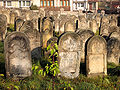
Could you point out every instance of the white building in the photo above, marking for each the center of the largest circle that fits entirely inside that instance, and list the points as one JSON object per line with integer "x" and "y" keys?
{"x": 80, "y": 5}
{"x": 50, "y": 4}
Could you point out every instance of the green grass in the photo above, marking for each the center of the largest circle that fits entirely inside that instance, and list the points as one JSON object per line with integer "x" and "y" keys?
{"x": 40, "y": 82}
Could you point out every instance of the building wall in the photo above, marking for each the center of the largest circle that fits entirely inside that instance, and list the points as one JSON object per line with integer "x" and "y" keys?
{"x": 80, "y": 4}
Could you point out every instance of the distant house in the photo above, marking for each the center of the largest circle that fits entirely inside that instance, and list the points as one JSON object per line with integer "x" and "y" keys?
{"x": 15, "y": 3}
{"x": 47, "y": 4}
{"x": 56, "y": 4}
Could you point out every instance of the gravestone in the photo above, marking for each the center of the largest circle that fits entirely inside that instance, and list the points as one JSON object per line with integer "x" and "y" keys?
{"x": 94, "y": 27}
{"x": 70, "y": 26}
{"x": 115, "y": 35}
{"x": 27, "y": 25}
{"x": 83, "y": 24}
{"x": 104, "y": 26}
{"x": 84, "y": 36}
{"x": 47, "y": 31}
{"x": 18, "y": 24}
{"x": 69, "y": 55}
{"x": 96, "y": 56}
{"x": 17, "y": 55}
{"x": 35, "y": 43}
{"x": 113, "y": 50}
{"x": 13, "y": 15}
{"x": 3, "y": 26}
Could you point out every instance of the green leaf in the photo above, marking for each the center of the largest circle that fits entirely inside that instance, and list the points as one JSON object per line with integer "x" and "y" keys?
{"x": 2, "y": 75}
{"x": 44, "y": 73}
{"x": 52, "y": 51}
{"x": 48, "y": 48}
{"x": 17, "y": 87}
{"x": 36, "y": 67}
{"x": 56, "y": 46}
{"x": 56, "y": 54}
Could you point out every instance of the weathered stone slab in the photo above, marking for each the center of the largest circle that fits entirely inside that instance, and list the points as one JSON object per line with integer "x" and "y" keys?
{"x": 35, "y": 43}
{"x": 17, "y": 55}
{"x": 69, "y": 55}
{"x": 96, "y": 56}
{"x": 84, "y": 36}
{"x": 18, "y": 24}
{"x": 3, "y": 26}
{"x": 70, "y": 26}
{"x": 27, "y": 25}
{"x": 47, "y": 31}
{"x": 113, "y": 50}
{"x": 13, "y": 15}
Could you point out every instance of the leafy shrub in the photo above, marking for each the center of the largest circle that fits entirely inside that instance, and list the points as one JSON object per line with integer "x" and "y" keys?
{"x": 33, "y": 7}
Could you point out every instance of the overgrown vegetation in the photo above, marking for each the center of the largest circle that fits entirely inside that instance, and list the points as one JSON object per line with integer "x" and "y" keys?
{"x": 10, "y": 28}
{"x": 43, "y": 80}
{"x": 33, "y": 7}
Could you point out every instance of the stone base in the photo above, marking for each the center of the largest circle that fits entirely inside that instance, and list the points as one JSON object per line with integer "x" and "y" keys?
{"x": 96, "y": 75}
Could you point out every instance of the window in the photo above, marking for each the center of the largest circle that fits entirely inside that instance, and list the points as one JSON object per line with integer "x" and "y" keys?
{"x": 9, "y": 3}
{"x": 41, "y": 3}
{"x": 79, "y": 4}
{"x": 64, "y": 3}
{"x": 67, "y": 2}
{"x": 93, "y": 5}
{"x": 20, "y": 4}
{"x": 44, "y": 2}
{"x": 48, "y": 3}
{"x": 52, "y": 3}
{"x": 27, "y": 3}
{"x": 61, "y": 3}
{"x": 82, "y": 4}
{"x": 23, "y": 3}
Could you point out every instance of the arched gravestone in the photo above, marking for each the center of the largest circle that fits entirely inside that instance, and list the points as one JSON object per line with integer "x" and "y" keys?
{"x": 69, "y": 55}
{"x": 47, "y": 31}
{"x": 35, "y": 43}
{"x": 115, "y": 35}
{"x": 113, "y": 50}
{"x": 17, "y": 55}
{"x": 96, "y": 56}
{"x": 70, "y": 26}
{"x": 84, "y": 36}
{"x": 3, "y": 26}
{"x": 27, "y": 25}
{"x": 18, "y": 24}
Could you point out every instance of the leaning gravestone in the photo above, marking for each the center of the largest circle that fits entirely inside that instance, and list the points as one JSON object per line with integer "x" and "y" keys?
{"x": 47, "y": 31}
{"x": 113, "y": 50}
{"x": 84, "y": 36}
{"x": 3, "y": 26}
{"x": 96, "y": 56}
{"x": 17, "y": 55}
{"x": 69, "y": 55}
{"x": 18, "y": 24}
{"x": 35, "y": 43}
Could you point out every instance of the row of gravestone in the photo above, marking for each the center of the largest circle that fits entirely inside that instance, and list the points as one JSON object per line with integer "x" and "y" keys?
{"x": 105, "y": 25}
{"x": 71, "y": 50}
